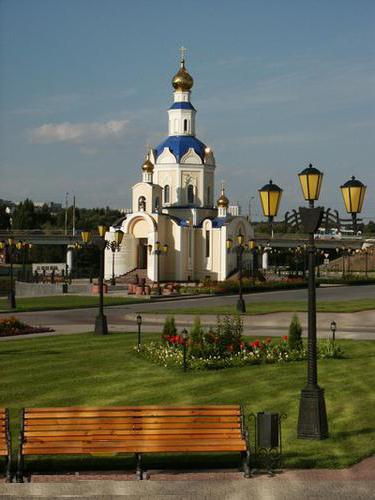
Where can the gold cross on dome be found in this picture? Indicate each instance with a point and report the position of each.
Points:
(222, 184)
(182, 54)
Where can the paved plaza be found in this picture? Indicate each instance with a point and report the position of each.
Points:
(359, 325)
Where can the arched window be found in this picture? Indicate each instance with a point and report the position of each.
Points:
(166, 193)
(142, 203)
(185, 125)
(190, 193)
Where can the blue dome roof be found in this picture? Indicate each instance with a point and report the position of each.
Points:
(180, 144)
(182, 105)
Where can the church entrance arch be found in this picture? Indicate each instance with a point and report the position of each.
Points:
(142, 229)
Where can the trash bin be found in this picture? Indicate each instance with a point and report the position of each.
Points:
(267, 430)
(65, 288)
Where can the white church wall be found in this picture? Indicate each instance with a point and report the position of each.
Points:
(125, 258)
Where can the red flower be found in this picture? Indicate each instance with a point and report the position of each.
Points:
(268, 340)
(285, 337)
(256, 343)
(242, 346)
(229, 348)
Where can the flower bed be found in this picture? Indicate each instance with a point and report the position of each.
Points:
(12, 326)
(224, 347)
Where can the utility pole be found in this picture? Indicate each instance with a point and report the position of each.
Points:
(74, 216)
(66, 213)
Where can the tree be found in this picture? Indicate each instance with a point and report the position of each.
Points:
(4, 217)
(24, 216)
(295, 334)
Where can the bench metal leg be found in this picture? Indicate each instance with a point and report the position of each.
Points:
(139, 471)
(20, 467)
(9, 469)
(245, 455)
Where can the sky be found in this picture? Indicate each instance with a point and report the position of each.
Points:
(85, 85)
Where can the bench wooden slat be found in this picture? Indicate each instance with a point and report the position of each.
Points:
(129, 432)
(136, 427)
(134, 408)
(128, 413)
(137, 449)
(144, 420)
(135, 436)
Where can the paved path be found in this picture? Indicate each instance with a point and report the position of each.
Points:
(122, 318)
(357, 482)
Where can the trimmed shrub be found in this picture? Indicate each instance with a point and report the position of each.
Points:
(196, 334)
(295, 334)
(169, 328)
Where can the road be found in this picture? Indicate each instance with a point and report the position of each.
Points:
(122, 318)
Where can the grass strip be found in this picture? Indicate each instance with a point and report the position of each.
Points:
(86, 370)
(62, 302)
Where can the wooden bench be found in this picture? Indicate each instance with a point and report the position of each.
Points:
(5, 450)
(132, 429)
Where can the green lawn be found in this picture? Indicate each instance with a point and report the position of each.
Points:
(275, 306)
(92, 370)
(62, 302)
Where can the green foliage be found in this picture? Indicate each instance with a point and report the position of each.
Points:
(169, 328)
(229, 332)
(4, 217)
(295, 334)
(196, 335)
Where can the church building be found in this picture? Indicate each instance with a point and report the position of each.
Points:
(176, 231)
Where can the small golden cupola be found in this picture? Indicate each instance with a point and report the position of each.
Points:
(223, 200)
(182, 81)
(147, 169)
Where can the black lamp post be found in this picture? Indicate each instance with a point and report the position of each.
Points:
(139, 324)
(252, 248)
(312, 421)
(353, 193)
(159, 250)
(114, 245)
(11, 248)
(185, 337)
(333, 327)
(239, 249)
(101, 327)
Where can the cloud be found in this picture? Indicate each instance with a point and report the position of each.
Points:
(77, 133)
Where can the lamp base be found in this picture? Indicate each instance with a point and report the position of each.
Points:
(113, 281)
(12, 299)
(241, 307)
(312, 420)
(101, 327)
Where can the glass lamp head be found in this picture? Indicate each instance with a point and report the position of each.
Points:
(270, 196)
(86, 236)
(118, 236)
(102, 229)
(311, 182)
(353, 193)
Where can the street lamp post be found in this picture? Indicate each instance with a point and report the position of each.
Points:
(115, 247)
(11, 248)
(185, 337)
(159, 250)
(139, 324)
(312, 421)
(101, 327)
(333, 327)
(239, 249)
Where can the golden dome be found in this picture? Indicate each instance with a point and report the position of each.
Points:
(223, 200)
(182, 80)
(148, 166)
